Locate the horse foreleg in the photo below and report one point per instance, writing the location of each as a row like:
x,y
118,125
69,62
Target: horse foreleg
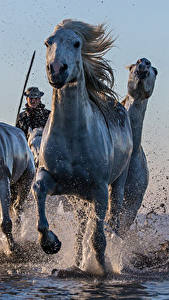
x,y
116,196
135,187
132,202
6,224
44,185
98,237
81,216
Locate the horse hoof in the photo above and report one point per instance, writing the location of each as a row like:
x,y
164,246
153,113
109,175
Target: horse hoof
x,y
12,249
50,243
72,272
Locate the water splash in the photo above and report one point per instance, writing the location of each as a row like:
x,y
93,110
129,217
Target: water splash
x,y
145,240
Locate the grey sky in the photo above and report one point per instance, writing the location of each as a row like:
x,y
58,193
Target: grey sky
x,y
141,29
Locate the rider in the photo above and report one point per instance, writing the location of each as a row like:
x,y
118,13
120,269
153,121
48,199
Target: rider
x,y
35,114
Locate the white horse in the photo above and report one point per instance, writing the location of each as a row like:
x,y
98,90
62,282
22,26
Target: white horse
x,y
16,173
87,141
141,83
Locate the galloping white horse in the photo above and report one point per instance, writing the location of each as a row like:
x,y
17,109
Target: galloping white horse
x,y
16,173
87,141
141,83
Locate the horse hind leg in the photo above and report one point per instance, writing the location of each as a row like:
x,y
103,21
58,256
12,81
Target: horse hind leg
x,y
21,190
6,224
116,197
44,185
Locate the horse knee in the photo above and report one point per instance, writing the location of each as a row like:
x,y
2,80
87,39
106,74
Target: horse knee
x,y
38,187
6,226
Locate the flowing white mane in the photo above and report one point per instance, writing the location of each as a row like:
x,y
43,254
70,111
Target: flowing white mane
x,y
98,72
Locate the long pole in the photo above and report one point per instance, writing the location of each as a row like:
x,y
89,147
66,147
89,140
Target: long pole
x,y
26,80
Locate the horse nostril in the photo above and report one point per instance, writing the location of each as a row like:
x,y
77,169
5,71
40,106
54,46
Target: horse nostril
x,y
64,67
56,69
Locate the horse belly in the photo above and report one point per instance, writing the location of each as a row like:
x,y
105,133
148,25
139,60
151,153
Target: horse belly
x,y
19,166
20,160
122,153
14,151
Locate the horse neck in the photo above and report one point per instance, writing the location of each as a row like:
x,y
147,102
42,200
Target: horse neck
x,y
69,105
137,109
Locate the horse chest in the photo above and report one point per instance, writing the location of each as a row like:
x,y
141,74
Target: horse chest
x,y
74,162
72,166
73,178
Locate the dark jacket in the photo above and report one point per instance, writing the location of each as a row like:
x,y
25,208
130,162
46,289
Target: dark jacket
x,y
32,117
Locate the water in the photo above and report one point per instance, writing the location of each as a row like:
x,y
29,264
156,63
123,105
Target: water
x,y
142,260
44,286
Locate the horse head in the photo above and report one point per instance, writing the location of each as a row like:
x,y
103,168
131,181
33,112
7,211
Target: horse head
x,y
141,79
75,51
63,56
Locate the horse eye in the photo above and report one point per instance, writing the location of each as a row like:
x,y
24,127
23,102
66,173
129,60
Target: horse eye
x,y
48,42
147,63
76,44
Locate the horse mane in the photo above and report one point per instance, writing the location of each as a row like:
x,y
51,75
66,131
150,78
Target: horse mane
x,y
99,75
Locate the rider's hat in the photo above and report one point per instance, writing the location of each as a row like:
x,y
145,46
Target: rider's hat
x,y
33,92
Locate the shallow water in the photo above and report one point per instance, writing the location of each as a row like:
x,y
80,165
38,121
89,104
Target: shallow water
x,y
27,275
43,286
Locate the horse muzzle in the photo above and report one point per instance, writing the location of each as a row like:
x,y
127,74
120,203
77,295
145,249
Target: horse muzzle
x,y
57,75
142,74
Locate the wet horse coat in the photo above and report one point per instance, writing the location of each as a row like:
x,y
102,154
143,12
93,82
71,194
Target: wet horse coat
x,y
87,141
16,174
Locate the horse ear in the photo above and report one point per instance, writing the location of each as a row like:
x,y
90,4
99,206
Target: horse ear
x,y
155,71
129,67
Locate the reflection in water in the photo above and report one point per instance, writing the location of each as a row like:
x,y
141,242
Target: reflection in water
x,y
48,287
